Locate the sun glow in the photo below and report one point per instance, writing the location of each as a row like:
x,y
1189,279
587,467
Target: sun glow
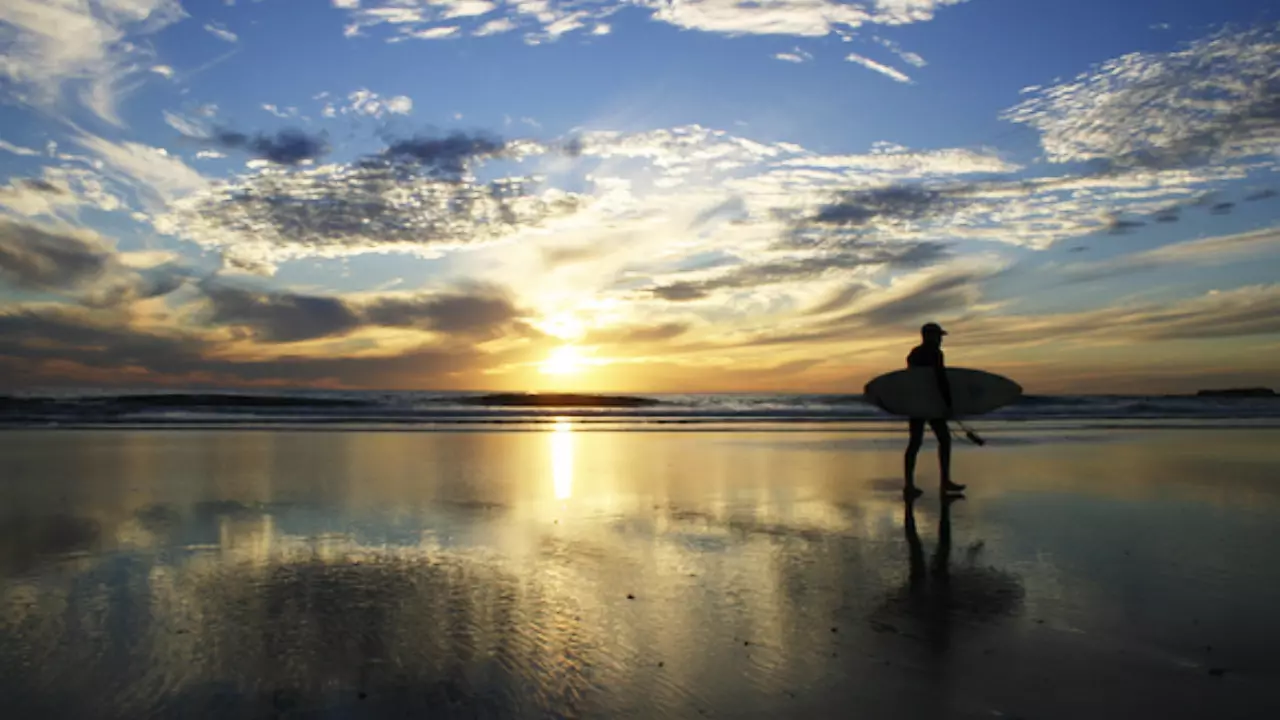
x,y
564,360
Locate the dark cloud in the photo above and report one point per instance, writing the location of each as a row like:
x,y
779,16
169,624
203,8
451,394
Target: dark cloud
x,y
1222,208
680,292
279,317
1121,226
1264,194
638,334
36,258
286,147
1169,215
566,255
479,311
44,186
474,311
66,346
853,208
902,255
132,286
449,156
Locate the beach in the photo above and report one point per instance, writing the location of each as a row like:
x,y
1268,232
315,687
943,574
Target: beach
x,y
561,569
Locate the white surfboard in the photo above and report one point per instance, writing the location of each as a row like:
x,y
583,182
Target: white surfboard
x,y
913,392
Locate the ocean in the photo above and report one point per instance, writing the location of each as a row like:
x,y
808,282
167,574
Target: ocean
x,y
453,410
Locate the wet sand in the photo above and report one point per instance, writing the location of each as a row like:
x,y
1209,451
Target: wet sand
x,y
1113,573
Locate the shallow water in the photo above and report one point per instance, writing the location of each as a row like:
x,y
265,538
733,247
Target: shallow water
x,y
613,574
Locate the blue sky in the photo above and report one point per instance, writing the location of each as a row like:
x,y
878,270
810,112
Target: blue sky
x,y
704,195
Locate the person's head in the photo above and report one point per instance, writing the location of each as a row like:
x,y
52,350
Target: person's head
x,y
932,333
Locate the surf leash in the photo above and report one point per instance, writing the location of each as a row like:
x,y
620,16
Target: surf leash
x,y
973,436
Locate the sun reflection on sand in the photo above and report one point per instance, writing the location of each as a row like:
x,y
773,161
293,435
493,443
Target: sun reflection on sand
x,y
562,459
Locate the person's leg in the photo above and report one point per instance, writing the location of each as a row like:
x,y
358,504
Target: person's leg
x,y
943,433
915,431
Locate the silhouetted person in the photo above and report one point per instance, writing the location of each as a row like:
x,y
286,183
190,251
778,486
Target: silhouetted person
x,y
929,354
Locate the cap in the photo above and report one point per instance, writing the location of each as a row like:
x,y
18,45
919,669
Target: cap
x,y
932,329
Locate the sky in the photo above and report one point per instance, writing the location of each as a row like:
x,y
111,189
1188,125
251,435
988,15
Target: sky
x,y
675,196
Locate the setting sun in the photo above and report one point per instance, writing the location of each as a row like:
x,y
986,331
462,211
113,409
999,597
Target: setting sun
x,y
564,360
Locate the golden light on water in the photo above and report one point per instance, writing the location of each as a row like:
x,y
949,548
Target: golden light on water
x,y
562,459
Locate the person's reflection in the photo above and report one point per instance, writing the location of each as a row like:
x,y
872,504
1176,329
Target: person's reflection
x,y
930,587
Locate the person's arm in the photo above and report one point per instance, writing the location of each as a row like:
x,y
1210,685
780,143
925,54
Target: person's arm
x,y
943,384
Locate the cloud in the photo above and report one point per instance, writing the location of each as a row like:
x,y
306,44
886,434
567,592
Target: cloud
x,y
286,147
1218,314
1215,100
468,8
220,31
840,299
1205,252
209,155
544,20
1264,194
637,334
796,55
18,149
807,268
285,113
881,68
279,317
187,126
370,104
478,311
496,26
78,264
435,33
40,63
908,57
59,193
152,173
47,346
450,155
42,258
164,71
933,294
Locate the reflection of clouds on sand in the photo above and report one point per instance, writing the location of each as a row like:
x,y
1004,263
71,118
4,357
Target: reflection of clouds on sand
x,y
222,603
379,574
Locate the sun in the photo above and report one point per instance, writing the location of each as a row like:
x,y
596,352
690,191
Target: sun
x,y
564,360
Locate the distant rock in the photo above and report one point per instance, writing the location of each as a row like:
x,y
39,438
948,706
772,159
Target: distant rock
x,y
558,400
1238,393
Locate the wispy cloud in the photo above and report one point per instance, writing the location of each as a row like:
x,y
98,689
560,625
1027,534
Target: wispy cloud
x,y
220,31
41,63
1205,252
796,55
18,149
881,68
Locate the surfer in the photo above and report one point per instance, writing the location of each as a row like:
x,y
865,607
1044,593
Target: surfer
x,y
929,354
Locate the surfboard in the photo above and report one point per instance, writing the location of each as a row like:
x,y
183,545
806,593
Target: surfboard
x,y
913,392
